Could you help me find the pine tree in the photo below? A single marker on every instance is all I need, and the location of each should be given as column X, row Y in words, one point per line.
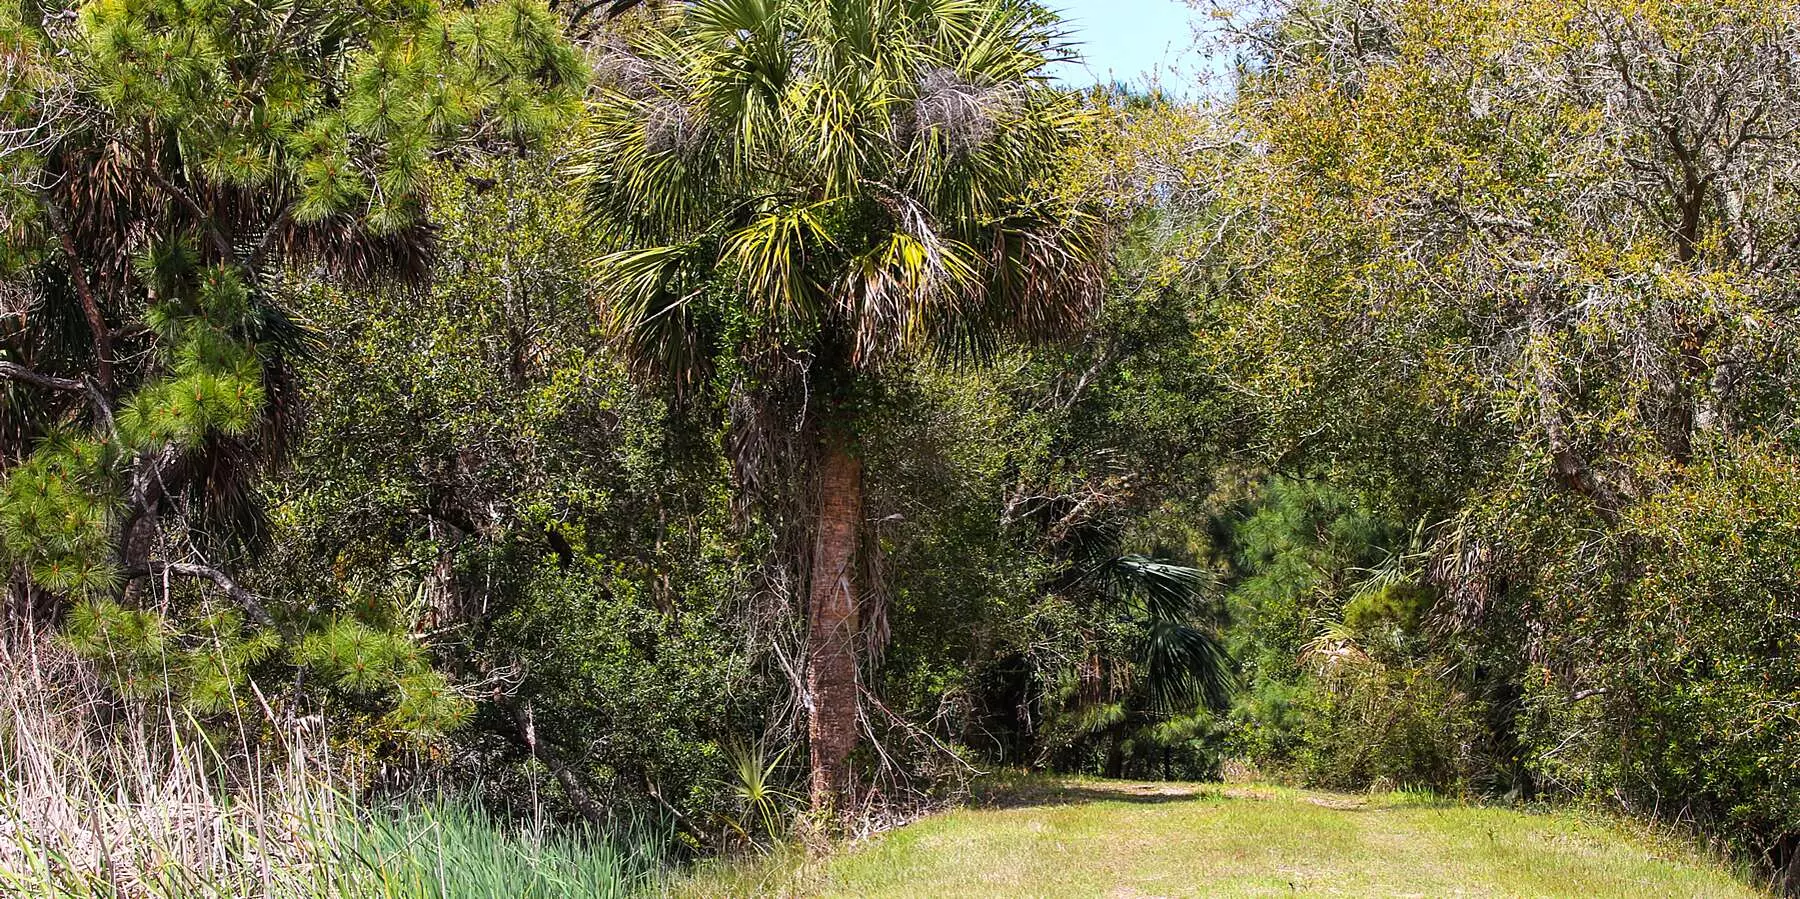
column 168, row 166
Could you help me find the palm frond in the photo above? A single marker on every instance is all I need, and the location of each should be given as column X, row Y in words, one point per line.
column 1185, row 665
column 648, row 295
column 871, row 174
column 771, row 255
column 1168, row 591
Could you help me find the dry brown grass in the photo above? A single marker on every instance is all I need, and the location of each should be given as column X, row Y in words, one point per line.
column 106, row 797
column 102, row 797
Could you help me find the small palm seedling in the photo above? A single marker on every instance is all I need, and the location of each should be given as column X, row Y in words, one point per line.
column 763, row 804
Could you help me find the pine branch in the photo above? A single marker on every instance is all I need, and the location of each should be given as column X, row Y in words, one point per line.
column 15, row 372
column 250, row 601
column 267, row 240
column 201, row 217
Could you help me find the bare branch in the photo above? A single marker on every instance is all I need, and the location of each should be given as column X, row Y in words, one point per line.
column 252, row 603
column 526, row 731
column 13, row 371
column 90, row 307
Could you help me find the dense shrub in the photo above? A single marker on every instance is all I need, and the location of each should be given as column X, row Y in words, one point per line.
column 1687, row 695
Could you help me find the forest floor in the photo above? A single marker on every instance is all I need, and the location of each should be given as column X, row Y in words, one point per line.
column 1092, row 838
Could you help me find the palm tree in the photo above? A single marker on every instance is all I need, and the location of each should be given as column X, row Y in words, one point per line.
column 842, row 183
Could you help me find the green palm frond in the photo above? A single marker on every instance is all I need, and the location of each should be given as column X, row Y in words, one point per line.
column 872, row 174
column 1167, row 591
column 650, row 312
column 1185, row 665
column 771, row 253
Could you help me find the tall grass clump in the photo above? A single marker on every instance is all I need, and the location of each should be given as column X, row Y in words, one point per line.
column 452, row 848
column 103, row 797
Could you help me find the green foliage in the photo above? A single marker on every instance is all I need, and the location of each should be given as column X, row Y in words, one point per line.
column 648, row 694
column 763, row 806
column 1687, row 686
column 144, row 655
column 455, row 848
column 871, row 177
column 360, row 659
column 214, row 379
column 1389, row 612
column 1338, row 691
column 176, row 163
column 1441, row 379
column 1489, row 269
column 217, row 667
column 133, row 643
column 344, row 106
column 1382, row 726
column 481, row 489
column 1299, row 549
column 1151, row 679
column 1183, row 665
column 57, row 513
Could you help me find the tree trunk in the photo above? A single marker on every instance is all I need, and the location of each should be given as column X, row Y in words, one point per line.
column 90, row 309
column 1115, row 755
column 831, row 631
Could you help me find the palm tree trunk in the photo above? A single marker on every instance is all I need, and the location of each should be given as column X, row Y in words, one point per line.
column 831, row 637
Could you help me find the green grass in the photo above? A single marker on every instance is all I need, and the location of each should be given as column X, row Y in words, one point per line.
column 444, row 849
column 452, row 849
column 1097, row 838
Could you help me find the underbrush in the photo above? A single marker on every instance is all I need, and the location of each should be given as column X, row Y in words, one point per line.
column 100, row 797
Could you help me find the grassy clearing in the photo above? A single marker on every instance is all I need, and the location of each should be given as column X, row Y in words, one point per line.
column 1098, row 838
